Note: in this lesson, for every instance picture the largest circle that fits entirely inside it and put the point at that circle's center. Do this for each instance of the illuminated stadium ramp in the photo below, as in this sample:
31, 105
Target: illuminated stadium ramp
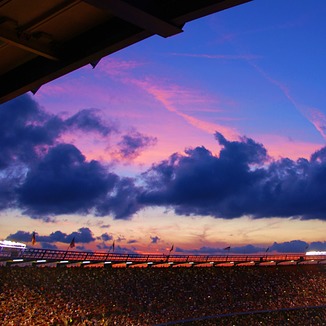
68, 257
43, 40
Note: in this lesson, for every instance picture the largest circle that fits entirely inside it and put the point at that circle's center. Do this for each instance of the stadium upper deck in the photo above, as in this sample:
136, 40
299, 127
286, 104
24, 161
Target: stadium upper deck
43, 40
67, 257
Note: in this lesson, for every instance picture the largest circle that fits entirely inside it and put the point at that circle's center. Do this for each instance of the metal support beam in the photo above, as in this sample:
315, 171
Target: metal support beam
79, 52
117, 24
48, 16
136, 16
27, 43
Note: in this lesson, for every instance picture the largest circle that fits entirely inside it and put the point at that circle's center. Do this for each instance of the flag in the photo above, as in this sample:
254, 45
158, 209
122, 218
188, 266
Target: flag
227, 248
72, 243
172, 248
33, 238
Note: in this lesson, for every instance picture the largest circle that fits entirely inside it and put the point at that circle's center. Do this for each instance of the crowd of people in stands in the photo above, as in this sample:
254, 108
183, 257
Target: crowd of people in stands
153, 296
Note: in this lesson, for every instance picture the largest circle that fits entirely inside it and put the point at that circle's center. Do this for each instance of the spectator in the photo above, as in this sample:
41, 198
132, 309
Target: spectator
149, 296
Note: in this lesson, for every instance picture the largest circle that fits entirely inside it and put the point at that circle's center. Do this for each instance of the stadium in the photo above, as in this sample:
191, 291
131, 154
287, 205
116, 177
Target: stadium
63, 287
76, 287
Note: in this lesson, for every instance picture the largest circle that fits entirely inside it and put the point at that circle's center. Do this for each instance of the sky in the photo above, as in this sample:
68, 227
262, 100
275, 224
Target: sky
209, 139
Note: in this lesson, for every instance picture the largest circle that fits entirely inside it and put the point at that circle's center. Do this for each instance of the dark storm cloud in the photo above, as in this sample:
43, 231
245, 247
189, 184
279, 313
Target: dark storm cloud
155, 239
83, 235
44, 177
105, 237
103, 246
25, 128
27, 131
63, 182
248, 249
242, 180
294, 246
133, 143
291, 246
20, 236
317, 246
122, 202
56, 236
204, 184
8, 180
88, 120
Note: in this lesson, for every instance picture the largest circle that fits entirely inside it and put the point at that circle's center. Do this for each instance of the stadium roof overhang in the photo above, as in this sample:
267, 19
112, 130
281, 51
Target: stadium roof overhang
43, 40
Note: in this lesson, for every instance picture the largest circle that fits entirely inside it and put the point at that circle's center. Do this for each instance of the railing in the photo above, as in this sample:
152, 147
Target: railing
68, 256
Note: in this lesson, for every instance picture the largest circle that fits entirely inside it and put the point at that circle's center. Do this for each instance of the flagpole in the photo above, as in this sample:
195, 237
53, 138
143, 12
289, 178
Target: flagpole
33, 238
266, 253
72, 243
228, 250
168, 256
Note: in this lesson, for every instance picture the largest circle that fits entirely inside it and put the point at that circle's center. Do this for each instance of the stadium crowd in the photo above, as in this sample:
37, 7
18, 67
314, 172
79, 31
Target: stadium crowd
152, 296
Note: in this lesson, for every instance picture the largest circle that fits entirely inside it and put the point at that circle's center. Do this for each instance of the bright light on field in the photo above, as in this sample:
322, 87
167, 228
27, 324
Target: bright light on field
316, 253
12, 244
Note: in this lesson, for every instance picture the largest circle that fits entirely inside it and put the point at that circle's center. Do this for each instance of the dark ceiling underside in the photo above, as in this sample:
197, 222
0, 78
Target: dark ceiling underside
43, 40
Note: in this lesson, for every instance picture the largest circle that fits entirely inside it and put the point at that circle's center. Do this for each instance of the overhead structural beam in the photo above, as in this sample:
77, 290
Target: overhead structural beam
99, 42
27, 43
116, 25
48, 16
136, 16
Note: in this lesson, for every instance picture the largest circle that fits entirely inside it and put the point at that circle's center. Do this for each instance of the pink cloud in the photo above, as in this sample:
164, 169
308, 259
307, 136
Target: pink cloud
318, 119
117, 67
173, 98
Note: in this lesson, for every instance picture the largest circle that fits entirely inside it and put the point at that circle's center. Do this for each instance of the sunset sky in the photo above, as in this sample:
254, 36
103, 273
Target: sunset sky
211, 138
